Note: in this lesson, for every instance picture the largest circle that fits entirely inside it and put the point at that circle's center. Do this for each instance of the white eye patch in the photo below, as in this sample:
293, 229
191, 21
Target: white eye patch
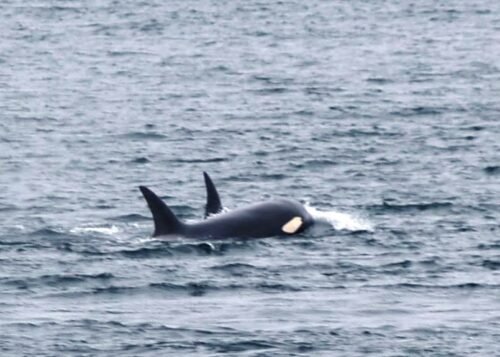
293, 225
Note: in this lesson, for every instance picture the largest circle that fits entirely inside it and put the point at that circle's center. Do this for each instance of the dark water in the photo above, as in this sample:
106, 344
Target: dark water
382, 115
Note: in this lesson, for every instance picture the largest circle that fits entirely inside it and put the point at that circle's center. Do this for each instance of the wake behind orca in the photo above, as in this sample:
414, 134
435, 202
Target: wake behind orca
264, 219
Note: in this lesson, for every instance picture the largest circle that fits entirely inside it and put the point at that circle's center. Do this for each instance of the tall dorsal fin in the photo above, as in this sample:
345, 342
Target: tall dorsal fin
213, 205
165, 220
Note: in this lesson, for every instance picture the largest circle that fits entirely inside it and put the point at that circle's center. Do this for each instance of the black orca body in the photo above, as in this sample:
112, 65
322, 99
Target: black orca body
264, 219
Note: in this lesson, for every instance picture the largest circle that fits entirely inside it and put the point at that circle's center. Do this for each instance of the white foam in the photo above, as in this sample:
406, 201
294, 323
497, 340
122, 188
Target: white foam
341, 220
101, 230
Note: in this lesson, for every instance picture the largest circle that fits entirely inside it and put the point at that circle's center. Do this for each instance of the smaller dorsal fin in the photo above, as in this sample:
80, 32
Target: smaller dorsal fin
213, 205
165, 220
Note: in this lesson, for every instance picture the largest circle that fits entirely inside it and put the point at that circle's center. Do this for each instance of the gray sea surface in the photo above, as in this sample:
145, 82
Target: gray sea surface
382, 116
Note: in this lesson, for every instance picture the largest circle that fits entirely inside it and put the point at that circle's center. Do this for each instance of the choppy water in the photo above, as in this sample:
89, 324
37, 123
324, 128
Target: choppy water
383, 116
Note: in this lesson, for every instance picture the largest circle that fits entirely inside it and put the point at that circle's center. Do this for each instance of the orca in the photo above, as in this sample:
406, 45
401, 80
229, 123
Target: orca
213, 205
270, 218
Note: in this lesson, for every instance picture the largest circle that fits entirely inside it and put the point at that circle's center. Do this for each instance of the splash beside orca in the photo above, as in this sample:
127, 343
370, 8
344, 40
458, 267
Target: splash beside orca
264, 219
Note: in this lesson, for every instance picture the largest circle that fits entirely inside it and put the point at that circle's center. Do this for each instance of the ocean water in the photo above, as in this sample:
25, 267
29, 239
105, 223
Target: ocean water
382, 116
